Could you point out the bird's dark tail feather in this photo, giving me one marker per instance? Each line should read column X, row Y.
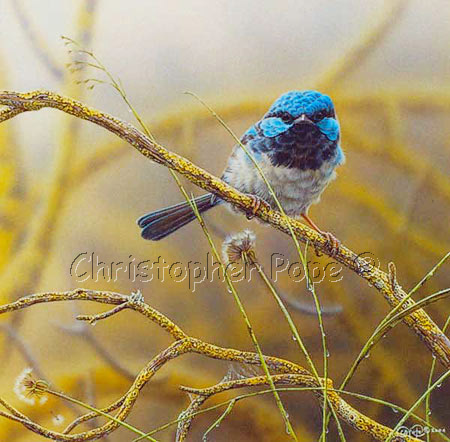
column 157, row 225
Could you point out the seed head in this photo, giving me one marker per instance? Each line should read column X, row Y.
column 27, row 388
column 239, row 247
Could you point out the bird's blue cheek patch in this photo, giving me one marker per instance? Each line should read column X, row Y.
column 251, row 132
column 273, row 126
column 330, row 128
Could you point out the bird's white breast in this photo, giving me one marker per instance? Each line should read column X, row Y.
column 296, row 189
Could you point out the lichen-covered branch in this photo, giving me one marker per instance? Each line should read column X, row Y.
column 419, row 321
column 183, row 344
column 344, row 410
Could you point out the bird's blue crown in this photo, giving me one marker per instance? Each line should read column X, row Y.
column 297, row 103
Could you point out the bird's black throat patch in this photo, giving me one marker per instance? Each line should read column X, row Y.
column 303, row 146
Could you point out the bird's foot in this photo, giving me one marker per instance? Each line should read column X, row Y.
column 332, row 243
column 257, row 202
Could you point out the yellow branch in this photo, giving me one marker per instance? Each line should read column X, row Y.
column 419, row 321
column 294, row 374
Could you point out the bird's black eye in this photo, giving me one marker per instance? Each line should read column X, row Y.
column 287, row 118
column 318, row 116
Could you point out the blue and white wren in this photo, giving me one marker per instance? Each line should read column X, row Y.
column 296, row 144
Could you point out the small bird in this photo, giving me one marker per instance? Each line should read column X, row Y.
column 296, row 144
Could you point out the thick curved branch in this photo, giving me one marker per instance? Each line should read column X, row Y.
column 10, row 112
column 419, row 321
column 182, row 344
column 344, row 410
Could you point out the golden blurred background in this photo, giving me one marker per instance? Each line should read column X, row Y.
column 68, row 187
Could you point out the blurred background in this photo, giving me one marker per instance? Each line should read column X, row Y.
column 68, row 187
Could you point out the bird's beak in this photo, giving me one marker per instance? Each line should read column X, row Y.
column 303, row 119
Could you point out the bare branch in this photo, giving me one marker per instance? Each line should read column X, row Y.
column 183, row 344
